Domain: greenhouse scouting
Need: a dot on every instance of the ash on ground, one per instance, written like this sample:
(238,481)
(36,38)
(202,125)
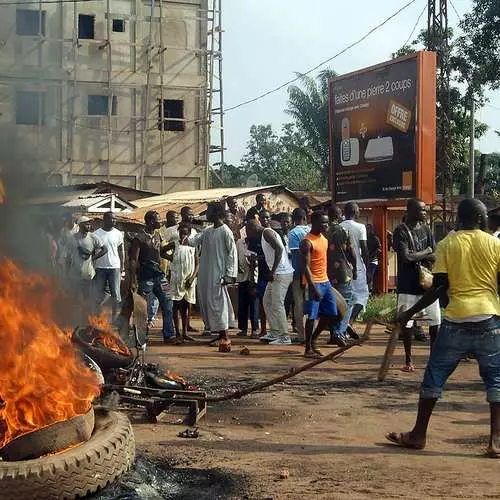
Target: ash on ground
(150,480)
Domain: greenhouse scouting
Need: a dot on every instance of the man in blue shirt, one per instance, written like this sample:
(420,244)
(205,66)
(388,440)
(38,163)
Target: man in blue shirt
(295,237)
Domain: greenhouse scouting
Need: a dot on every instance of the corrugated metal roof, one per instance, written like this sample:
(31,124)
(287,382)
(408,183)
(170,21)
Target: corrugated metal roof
(197,200)
(203,195)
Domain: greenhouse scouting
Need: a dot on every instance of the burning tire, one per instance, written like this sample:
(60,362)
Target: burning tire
(78,471)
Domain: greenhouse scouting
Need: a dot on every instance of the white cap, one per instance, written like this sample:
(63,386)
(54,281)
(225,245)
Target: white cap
(83,219)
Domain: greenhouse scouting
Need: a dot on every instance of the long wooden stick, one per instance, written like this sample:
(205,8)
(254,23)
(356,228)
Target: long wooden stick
(276,380)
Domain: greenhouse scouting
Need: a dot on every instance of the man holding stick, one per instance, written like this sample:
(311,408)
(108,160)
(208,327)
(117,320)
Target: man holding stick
(466,273)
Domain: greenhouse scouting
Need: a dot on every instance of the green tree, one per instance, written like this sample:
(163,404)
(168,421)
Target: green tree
(283,158)
(459,116)
(479,46)
(229,176)
(308,105)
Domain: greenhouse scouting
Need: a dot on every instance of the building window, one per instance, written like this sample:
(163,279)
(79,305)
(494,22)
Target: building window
(98,105)
(118,25)
(30,108)
(172,108)
(86,26)
(28,22)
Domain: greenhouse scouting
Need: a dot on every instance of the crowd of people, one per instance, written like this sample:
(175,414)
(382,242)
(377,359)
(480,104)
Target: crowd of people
(304,266)
(314,270)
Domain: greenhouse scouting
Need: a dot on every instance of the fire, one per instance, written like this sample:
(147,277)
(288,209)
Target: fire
(42,380)
(103,335)
(2,192)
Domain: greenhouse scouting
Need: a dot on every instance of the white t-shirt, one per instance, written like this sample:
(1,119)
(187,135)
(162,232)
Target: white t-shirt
(358,233)
(111,240)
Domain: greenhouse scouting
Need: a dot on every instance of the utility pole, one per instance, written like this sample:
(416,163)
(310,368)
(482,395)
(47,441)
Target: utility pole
(437,40)
(471,147)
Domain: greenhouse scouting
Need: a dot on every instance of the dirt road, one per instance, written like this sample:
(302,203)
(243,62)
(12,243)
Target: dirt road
(327,426)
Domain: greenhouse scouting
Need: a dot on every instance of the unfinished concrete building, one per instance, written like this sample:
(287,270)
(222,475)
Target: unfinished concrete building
(109,90)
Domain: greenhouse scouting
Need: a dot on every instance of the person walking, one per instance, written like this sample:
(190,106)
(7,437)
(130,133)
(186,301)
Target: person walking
(110,266)
(357,231)
(255,245)
(218,268)
(342,270)
(295,237)
(248,302)
(146,275)
(414,245)
(466,276)
(374,250)
(320,301)
(279,279)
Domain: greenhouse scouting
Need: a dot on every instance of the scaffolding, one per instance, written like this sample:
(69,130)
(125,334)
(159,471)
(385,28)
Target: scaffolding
(215,99)
(437,26)
(144,82)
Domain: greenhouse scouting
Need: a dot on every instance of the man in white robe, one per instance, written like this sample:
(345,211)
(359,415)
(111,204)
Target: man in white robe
(218,268)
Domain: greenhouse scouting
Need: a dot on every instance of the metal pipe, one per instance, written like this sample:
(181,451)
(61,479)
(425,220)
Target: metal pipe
(162,106)
(110,93)
(146,97)
(471,147)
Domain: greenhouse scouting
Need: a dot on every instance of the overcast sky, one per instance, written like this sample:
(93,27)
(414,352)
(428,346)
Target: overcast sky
(266,41)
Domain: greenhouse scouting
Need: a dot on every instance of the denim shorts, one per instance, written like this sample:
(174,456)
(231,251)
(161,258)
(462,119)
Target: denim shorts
(453,342)
(326,306)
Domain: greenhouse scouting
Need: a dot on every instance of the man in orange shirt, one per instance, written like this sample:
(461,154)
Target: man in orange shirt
(320,301)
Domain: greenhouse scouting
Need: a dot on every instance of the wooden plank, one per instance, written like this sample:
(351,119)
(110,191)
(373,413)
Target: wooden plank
(389,352)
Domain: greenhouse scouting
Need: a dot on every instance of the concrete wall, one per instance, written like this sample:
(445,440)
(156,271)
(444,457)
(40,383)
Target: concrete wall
(75,146)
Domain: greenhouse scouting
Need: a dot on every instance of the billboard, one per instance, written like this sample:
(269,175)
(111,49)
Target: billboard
(382,131)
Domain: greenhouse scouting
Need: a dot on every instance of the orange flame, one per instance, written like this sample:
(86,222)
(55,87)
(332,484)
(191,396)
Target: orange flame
(2,192)
(104,335)
(42,379)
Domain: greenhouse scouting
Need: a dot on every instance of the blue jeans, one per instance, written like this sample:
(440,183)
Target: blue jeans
(346,291)
(326,306)
(153,306)
(112,278)
(156,287)
(453,342)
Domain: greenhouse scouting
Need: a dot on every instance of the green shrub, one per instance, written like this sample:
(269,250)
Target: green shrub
(380,306)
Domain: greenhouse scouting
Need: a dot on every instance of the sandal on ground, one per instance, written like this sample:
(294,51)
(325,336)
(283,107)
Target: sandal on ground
(172,341)
(409,368)
(312,355)
(188,338)
(492,454)
(401,439)
(317,351)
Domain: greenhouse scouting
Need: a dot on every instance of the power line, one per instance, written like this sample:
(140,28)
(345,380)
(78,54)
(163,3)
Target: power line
(456,11)
(357,42)
(415,27)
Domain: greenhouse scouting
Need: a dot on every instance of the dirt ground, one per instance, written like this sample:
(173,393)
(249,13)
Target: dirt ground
(327,426)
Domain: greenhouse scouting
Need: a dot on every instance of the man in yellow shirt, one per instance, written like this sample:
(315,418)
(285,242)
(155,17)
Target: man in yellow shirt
(466,275)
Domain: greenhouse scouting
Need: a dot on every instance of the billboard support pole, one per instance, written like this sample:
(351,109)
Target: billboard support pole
(380,223)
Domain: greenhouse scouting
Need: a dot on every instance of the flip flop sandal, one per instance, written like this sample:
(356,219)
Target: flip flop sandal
(491,454)
(317,351)
(408,368)
(399,440)
(188,338)
(312,355)
(189,433)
